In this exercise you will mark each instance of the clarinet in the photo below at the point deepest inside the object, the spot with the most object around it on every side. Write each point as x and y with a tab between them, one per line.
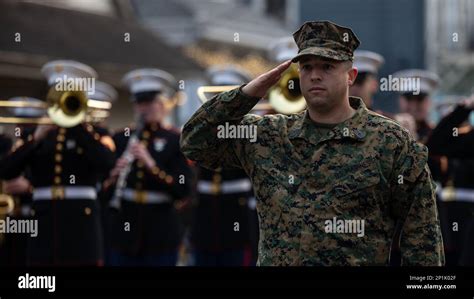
127	155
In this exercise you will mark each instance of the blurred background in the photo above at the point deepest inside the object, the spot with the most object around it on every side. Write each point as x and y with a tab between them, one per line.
185	37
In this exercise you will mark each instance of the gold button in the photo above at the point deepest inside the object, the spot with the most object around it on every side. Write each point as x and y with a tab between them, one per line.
80	150
61	138
59	147
90	129
155	170
32	212
62	131
242	201
57	180
30	137
58	157
145	143
140	174
57	169
87	211
140	164
169	179
146	134
96	136
162	174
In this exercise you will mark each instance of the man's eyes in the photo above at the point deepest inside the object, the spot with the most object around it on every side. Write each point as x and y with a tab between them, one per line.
328	66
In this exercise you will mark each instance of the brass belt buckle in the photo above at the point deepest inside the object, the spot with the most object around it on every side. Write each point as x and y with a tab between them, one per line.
449	194
140	196
57	192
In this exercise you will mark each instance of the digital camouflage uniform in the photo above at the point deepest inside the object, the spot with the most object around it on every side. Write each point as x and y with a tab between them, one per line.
365	168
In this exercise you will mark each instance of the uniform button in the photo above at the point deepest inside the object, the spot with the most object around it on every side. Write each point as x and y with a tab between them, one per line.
162	174
59	147
242	201
62	131
155	170
87	211
96	136
57	180
140	174
146	134
58	157
145	143
80	151
169	179
32	212
61	138
57	169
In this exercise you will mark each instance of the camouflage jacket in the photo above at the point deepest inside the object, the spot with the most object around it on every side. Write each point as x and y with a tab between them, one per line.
366	168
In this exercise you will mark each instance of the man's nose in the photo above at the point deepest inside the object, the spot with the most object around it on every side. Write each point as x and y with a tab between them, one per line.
316	74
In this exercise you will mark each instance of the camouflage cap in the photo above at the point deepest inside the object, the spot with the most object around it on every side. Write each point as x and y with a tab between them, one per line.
325	39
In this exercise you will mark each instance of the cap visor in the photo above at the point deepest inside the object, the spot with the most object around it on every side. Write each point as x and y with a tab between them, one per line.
322	52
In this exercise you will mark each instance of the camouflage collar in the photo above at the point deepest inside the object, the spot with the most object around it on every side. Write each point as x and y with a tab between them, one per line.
353	128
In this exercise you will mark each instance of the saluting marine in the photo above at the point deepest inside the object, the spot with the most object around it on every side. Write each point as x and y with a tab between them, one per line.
65	164
335	166
151	175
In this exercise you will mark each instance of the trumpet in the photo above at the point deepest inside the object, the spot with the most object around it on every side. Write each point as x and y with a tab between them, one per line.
64	108
285	97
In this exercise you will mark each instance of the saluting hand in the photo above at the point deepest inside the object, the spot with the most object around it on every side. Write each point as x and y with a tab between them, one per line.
259	86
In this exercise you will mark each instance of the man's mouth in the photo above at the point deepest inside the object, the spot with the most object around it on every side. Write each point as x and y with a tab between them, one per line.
316	89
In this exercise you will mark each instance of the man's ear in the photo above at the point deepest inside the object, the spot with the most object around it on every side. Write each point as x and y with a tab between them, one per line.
352	72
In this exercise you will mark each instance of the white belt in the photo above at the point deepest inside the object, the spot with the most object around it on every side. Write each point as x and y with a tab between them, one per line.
145	196
64	192
456	194
226	187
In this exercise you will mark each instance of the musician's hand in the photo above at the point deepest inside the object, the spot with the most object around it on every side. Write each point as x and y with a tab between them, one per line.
119	166
259	86
17	186
140	152
42	131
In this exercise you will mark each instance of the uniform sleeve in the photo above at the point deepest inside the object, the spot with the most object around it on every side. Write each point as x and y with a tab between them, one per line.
177	177
199	139
95	147
442	141
413	202
13	164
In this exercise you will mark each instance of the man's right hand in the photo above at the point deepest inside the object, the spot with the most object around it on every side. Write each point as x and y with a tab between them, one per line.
259	86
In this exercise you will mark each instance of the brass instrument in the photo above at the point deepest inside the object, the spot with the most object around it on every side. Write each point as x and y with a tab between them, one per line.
285	97
7	205
64	108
